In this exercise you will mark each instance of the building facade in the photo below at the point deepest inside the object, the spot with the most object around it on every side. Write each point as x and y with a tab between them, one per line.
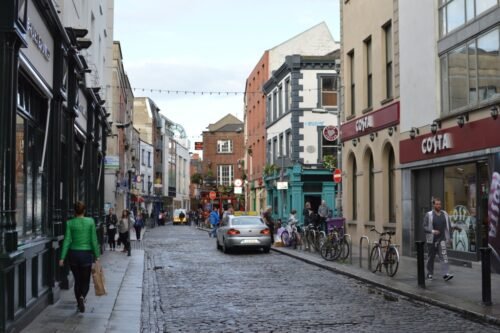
302	133
314	41
370	111
450	147
49	112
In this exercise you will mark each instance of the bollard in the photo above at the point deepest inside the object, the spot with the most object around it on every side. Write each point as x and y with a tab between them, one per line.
420	263
486	275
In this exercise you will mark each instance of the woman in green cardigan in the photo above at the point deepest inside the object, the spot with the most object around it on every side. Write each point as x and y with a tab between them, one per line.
80	246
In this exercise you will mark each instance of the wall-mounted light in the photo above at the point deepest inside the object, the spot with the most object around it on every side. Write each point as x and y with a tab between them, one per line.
373	136
355	142
391	130
436	124
462	119
413	132
494	112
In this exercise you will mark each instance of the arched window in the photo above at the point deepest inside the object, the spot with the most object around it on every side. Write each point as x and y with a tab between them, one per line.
354	189
371	189
392	186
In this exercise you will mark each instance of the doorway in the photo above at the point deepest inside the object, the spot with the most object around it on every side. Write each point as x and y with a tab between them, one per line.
314	200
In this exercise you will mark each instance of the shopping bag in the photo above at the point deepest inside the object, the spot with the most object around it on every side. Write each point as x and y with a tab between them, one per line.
98	278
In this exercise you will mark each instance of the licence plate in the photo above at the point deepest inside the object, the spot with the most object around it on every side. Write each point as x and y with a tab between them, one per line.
249	241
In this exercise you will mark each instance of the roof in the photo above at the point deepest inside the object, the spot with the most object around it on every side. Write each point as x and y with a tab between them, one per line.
223	124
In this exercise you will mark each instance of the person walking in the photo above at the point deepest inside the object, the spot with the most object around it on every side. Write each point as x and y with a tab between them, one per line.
138	225
81	249
307	212
214	222
437	233
124	225
111	221
268	220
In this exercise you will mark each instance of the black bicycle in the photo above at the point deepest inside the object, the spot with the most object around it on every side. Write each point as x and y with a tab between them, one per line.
335	246
384	253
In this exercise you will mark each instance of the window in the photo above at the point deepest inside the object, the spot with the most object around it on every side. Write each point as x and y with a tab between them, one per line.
388	60
269	111
280	151
369	84
328	148
30	134
143	157
225	174
288	93
470	73
224	146
269	152
149	159
354	189
392	187
456	13
371	189
275	107
353	85
328	91
288	143
280	100
275	149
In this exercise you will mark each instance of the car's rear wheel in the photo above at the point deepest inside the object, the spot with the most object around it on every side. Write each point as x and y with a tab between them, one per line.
225	249
266	249
217	243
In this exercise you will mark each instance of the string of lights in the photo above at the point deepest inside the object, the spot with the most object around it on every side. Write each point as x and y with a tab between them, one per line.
198	92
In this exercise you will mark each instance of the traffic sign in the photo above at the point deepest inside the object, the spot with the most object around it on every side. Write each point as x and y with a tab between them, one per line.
337	176
212	195
238	182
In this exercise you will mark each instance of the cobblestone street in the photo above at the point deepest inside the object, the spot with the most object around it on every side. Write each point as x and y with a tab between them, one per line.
189	286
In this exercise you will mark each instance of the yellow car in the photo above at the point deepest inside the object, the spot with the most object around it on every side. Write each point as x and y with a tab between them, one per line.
179	216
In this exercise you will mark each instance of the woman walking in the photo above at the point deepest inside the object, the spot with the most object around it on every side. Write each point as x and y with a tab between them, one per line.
138	225
80	245
111	221
124	226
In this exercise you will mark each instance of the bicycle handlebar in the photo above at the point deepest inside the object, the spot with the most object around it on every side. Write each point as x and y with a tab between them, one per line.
389	233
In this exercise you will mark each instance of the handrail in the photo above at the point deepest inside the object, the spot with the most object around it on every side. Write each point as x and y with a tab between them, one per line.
347	236
361	250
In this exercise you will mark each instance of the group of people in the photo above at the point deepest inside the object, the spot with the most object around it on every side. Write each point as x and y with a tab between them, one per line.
123	226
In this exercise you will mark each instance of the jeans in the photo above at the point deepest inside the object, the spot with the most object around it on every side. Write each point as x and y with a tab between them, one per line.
213	232
80	263
438	248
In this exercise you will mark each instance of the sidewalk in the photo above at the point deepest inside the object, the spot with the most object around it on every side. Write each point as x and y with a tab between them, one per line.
118	311
462	294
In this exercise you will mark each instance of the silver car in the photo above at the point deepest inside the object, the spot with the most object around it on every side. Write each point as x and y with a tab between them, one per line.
243	231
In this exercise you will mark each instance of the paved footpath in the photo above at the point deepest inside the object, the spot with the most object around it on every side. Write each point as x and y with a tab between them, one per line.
118	311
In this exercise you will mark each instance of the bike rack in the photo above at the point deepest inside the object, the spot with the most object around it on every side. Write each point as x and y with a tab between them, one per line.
349	241
361	250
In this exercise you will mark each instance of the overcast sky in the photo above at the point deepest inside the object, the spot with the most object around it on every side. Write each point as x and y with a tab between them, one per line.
206	45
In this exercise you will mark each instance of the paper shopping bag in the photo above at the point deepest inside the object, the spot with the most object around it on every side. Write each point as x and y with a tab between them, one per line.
98	278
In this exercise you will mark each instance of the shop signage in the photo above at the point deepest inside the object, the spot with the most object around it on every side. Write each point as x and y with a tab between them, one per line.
314	123
37	39
282	185
437	143
238	190
330	133
364	123
238	182
494	206
111	162
212	195
198	145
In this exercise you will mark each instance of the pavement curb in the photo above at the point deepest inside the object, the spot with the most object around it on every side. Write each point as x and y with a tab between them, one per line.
466	313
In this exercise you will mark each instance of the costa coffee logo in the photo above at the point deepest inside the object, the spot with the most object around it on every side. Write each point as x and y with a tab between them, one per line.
437	143
494	205
331	133
364	123
37	39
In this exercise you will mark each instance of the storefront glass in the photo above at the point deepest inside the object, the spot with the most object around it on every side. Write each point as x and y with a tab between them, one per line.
460	193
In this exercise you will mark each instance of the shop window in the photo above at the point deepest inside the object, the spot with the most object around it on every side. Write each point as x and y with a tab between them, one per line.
454	14
354	189
460	201
30	128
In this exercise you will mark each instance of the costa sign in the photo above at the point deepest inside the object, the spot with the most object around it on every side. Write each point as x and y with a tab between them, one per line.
435	144
364	123
331	133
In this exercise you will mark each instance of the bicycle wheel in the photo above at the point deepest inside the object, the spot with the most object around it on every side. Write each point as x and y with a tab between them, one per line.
344	249
392	261
285	238
311	236
375	259
328	251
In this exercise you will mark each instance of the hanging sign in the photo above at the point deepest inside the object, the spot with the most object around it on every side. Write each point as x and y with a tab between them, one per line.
331	133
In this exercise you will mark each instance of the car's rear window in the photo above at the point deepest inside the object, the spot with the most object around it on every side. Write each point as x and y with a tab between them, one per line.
251	220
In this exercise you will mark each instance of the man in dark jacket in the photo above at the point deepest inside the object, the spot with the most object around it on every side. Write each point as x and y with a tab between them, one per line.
111	221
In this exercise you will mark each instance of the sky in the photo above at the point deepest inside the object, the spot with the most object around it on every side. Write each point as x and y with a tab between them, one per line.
206	46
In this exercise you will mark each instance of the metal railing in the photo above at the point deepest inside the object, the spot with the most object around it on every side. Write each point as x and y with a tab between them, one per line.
348	239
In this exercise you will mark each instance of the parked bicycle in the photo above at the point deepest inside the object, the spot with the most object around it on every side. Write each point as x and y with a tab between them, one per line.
335	246
290	236
384	253
314	236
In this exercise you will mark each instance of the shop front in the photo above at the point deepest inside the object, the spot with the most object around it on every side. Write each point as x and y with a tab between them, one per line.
457	165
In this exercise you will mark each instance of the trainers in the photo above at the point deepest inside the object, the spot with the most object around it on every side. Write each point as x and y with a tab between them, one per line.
448	277
429	276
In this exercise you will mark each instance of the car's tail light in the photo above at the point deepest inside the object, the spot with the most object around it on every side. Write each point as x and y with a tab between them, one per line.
233	232
266	232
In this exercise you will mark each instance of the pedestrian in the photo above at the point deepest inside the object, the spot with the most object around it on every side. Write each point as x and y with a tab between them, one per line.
323	210
124	225
111	221
80	246
161	217
138	225
268	220
307	213
437	233
229	211
182	216
214	222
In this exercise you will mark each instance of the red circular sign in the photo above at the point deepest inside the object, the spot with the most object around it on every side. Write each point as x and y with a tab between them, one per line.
212	195
331	133
337	175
